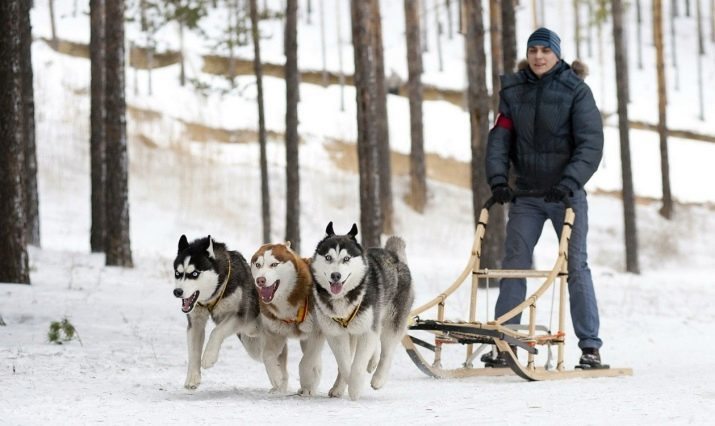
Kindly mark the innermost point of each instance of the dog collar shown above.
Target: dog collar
(346, 322)
(210, 306)
(300, 316)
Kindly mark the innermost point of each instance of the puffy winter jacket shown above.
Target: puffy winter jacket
(549, 128)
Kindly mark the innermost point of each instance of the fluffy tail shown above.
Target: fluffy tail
(397, 245)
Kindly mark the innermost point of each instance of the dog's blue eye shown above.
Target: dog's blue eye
(195, 274)
(329, 258)
(346, 259)
(177, 274)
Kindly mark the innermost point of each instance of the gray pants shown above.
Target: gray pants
(526, 220)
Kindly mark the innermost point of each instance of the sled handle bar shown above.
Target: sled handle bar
(527, 193)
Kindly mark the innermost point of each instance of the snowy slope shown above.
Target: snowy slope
(129, 367)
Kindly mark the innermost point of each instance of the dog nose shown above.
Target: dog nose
(178, 292)
(261, 281)
(335, 276)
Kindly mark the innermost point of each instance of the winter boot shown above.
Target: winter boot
(590, 359)
(498, 361)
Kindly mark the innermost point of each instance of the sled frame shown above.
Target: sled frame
(496, 332)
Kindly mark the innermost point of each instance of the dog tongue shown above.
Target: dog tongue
(336, 287)
(186, 304)
(267, 293)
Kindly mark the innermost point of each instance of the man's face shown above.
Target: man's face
(541, 59)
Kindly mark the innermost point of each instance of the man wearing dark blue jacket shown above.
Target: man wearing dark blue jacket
(550, 131)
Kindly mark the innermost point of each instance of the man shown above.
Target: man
(550, 130)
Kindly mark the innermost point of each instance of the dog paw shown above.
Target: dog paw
(278, 390)
(209, 358)
(354, 393)
(377, 382)
(336, 391)
(193, 380)
(306, 392)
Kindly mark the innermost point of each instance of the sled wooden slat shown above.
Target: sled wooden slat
(510, 273)
(503, 336)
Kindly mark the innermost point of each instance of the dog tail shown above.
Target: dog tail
(397, 245)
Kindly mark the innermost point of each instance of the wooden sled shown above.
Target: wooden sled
(505, 337)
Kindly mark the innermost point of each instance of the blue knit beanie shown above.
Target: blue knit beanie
(545, 37)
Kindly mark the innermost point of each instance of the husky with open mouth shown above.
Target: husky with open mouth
(212, 281)
(284, 287)
(363, 300)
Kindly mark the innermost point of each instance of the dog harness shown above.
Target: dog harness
(346, 322)
(210, 306)
(300, 316)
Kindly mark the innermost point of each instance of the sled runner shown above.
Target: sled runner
(524, 339)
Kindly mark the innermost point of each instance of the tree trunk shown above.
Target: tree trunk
(265, 191)
(53, 28)
(673, 50)
(341, 72)
(32, 209)
(496, 50)
(291, 136)
(324, 74)
(577, 27)
(508, 18)
(478, 101)
(383, 139)
(629, 210)
(450, 24)
(674, 7)
(534, 14)
(687, 8)
(117, 246)
(368, 133)
(667, 208)
(14, 262)
(418, 181)
(701, 52)
(182, 70)
(438, 33)
(97, 141)
(639, 23)
(425, 32)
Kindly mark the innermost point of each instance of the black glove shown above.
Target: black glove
(556, 194)
(502, 193)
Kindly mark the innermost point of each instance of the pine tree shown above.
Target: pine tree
(98, 231)
(117, 244)
(418, 181)
(667, 208)
(291, 136)
(14, 262)
(629, 210)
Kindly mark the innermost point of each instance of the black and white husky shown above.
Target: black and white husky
(213, 281)
(363, 299)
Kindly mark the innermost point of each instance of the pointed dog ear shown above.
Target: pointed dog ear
(210, 248)
(353, 231)
(183, 243)
(287, 244)
(329, 230)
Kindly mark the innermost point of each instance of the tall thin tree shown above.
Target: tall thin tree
(117, 244)
(495, 39)
(674, 46)
(368, 133)
(14, 262)
(508, 23)
(291, 137)
(700, 53)
(478, 102)
(383, 139)
(258, 69)
(97, 142)
(667, 208)
(629, 210)
(339, 32)
(577, 26)
(53, 26)
(639, 33)
(418, 181)
(32, 202)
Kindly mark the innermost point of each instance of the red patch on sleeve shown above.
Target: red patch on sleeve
(504, 122)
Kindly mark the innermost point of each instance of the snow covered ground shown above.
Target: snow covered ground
(130, 365)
